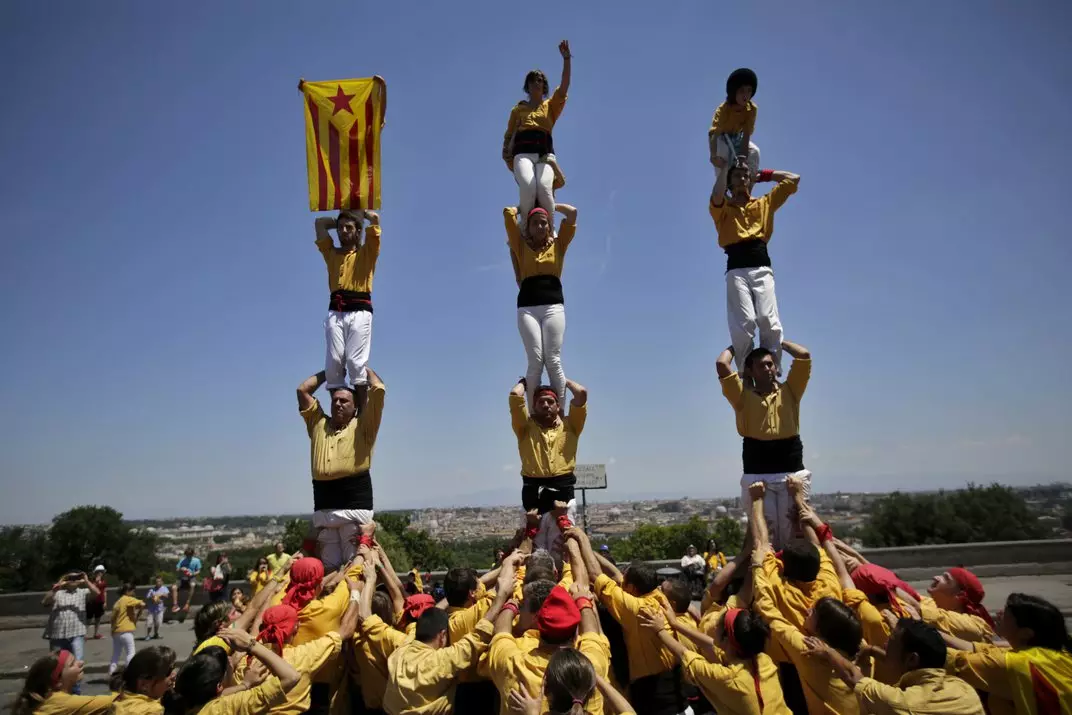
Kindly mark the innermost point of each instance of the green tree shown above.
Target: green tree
(23, 565)
(97, 533)
(294, 533)
(975, 514)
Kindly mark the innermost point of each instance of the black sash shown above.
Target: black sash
(353, 492)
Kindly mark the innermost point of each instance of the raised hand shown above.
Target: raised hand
(580, 590)
(237, 639)
(564, 50)
(757, 490)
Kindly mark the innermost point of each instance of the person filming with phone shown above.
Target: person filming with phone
(66, 629)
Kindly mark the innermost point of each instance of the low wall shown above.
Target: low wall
(994, 558)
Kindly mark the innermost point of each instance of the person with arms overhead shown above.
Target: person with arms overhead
(66, 629)
(341, 456)
(348, 326)
(768, 420)
(830, 619)
(528, 149)
(422, 673)
(745, 225)
(538, 258)
(547, 446)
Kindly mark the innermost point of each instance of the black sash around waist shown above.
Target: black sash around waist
(562, 481)
(350, 301)
(353, 492)
(533, 141)
(773, 456)
(540, 290)
(747, 254)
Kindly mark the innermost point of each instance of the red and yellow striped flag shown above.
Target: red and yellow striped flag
(343, 119)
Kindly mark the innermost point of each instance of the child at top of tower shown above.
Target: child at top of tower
(734, 122)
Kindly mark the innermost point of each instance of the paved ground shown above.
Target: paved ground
(19, 648)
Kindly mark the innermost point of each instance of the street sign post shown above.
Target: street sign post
(589, 476)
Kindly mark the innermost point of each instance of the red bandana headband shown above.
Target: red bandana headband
(546, 391)
(537, 210)
(57, 673)
(277, 623)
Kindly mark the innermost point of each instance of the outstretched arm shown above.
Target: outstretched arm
(724, 365)
(567, 56)
(245, 643)
(718, 193)
(591, 564)
(373, 378)
(842, 666)
(781, 176)
(307, 388)
(757, 522)
(618, 704)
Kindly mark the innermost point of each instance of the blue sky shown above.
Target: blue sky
(161, 296)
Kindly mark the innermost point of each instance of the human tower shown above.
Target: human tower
(343, 120)
(814, 629)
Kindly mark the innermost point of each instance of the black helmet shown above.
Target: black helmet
(740, 78)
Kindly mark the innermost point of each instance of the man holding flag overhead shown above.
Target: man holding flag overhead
(342, 132)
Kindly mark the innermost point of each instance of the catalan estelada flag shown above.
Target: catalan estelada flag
(343, 119)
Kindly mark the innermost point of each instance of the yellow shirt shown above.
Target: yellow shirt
(351, 270)
(512, 664)
(342, 453)
(688, 621)
(124, 614)
(375, 641)
(773, 416)
(755, 219)
(986, 668)
(965, 626)
(730, 687)
(421, 678)
(255, 701)
(312, 659)
(136, 704)
(321, 616)
(732, 118)
(646, 654)
(257, 581)
(921, 692)
(275, 562)
(715, 561)
(66, 704)
(876, 631)
(463, 620)
(547, 262)
(824, 691)
(524, 117)
(546, 452)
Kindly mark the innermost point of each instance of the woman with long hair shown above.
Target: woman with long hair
(568, 683)
(144, 681)
(1033, 676)
(202, 679)
(538, 257)
(528, 149)
(49, 685)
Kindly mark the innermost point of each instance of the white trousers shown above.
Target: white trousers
(751, 303)
(725, 149)
(535, 186)
(336, 530)
(776, 502)
(550, 536)
(122, 647)
(349, 338)
(543, 328)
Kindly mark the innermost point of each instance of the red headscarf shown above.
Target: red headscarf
(535, 211)
(277, 625)
(874, 580)
(559, 616)
(305, 577)
(57, 673)
(416, 605)
(971, 594)
(728, 623)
